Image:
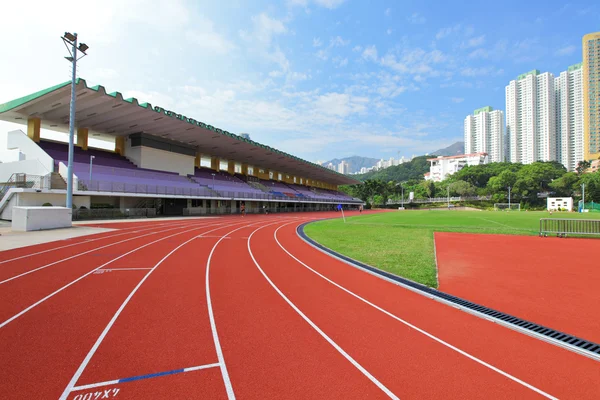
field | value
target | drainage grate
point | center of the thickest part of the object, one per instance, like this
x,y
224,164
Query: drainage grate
x,y
562,339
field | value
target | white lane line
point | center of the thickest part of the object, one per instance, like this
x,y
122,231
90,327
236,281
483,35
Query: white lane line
x,y
123,269
92,351
429,335
117,381
85,241
81,254
2,325
348,357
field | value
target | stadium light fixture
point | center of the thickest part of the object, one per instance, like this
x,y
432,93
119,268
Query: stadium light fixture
x,y
70,40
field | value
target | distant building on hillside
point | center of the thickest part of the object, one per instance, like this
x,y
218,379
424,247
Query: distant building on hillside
x,y
331,166
484,133
343,168
245,136
442,167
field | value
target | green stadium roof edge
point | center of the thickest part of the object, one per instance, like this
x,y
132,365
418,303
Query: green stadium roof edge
x,y
109,114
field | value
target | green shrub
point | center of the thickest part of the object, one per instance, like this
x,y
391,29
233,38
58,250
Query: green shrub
x,y
47,205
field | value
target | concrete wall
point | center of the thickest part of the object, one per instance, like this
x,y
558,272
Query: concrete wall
x,y
27,199
21,154
161,160
40,218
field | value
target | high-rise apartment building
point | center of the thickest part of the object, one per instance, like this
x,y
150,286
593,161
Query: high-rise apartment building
x,y
344,168
569,116
484,133
530,118
591,95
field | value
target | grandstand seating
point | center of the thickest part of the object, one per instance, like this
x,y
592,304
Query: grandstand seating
x,y
113,172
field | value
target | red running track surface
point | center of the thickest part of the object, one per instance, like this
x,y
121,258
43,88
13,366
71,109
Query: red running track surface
x,y
232,306
550,281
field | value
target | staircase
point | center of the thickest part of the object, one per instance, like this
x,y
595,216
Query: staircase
x,y
211,191
57,181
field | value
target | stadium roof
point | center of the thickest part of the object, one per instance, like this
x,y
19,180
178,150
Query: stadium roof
x,y
109,114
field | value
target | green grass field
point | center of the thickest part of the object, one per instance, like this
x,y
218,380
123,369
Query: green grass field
x,y
402,242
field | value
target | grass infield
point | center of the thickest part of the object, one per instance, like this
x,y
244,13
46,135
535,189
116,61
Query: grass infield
x,y
402,242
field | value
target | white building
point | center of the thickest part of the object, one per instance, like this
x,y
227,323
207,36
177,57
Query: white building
x,y
331,166
530,118
343,168
442,167
569,116
484,133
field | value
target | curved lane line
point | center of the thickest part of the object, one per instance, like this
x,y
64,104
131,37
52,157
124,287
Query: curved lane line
x,y
355,363
83,242
86,252
3,324
429,335
92,351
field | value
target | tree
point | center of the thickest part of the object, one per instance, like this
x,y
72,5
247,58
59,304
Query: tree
x,y
592,186
501,182
462,188
566,184
582,166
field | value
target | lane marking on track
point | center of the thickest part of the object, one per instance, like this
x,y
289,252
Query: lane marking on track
x,y
82,242
92,351
3,324
120,269
429,335
81,254
147,376
348,357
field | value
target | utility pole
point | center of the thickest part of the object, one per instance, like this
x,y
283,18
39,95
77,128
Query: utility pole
x,y
70,39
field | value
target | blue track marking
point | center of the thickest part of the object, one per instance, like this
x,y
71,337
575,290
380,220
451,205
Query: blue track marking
x,y
147,376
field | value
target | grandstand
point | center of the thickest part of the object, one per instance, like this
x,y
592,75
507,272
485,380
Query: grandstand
x,y
161,160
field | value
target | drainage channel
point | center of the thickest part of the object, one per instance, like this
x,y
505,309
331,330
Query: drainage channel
x,y
565,340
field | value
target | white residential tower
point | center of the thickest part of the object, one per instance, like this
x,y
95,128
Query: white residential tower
x,y
484,133
569,117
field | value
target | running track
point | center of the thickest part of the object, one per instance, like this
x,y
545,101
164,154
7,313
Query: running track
x,y
242,308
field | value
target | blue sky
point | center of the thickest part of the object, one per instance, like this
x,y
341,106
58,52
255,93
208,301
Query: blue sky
x,y
316,78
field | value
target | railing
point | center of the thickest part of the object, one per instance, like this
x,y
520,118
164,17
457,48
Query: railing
x,y
120,187
441,199
112,213
563,227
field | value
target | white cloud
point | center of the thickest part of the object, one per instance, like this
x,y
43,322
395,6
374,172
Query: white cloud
x,y
473,42
330,4
483,71
389,31
414,61
265,28
317,42
357,48
340,62
204,37
416,18
565,51
322,54
370,53
388,12
455,29
479,53
340,104
276,74
457,100
338,41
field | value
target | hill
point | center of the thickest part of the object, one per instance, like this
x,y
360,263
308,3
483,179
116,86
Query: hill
x,y
356,162
452,150
414,169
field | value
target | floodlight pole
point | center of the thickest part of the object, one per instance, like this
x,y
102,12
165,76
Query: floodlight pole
x,y
91,165
402,195
448,187
583,197
509,197
72,126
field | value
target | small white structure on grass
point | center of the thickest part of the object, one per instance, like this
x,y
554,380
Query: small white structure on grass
x,y
560,204
40,218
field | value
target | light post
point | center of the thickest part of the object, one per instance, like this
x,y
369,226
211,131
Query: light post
x,y
583,197
91,165
448,188
70,39
509,197
402,187
213,175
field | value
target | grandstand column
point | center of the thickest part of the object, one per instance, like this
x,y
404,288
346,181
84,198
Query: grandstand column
x,y
82,138
33,129
214,163
120,145
231,167
198,159
245,169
